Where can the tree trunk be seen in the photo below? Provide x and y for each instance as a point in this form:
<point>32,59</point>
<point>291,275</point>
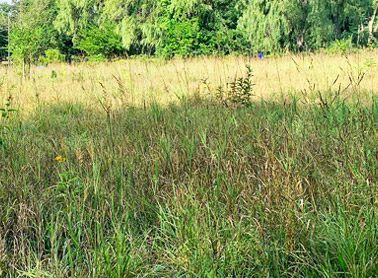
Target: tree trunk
<point>371,29</point>
<point>301,39</point>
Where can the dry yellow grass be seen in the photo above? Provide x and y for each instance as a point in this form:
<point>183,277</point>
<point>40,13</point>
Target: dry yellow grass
<point>137,81</point>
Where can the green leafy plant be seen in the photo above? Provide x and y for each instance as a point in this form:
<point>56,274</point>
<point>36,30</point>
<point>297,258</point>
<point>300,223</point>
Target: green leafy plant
<point>341,46</point>
<point>52,56</point>
<point>238,92</point>
<point>68,185</point>
<point>100,43</point>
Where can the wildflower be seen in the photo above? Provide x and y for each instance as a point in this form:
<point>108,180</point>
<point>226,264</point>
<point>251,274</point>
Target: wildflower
<point>60,159</point>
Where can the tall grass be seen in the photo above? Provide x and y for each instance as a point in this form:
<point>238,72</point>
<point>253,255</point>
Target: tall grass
<point>191,188</point>
<point>139,82</point>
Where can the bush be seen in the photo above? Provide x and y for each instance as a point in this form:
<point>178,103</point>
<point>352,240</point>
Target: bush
<point>341,46</point>
<point>238,92</point>
<point>52,56</point>
<point>96,58</point>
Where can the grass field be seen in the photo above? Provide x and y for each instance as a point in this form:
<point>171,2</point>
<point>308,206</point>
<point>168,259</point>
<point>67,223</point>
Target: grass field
<point>147,168</point>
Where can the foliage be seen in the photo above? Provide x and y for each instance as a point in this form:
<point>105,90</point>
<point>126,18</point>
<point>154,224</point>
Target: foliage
<point>301,24</point>
<point>27,45</point>
<point>195,28</point>
<point>100,42</point>
<point>32,33</point>
<point>341,46</point>
<point>5,10</point>
<point>238,92</point>
<point>52,56</point>
<point>75,16</point>
<point>167,28</point>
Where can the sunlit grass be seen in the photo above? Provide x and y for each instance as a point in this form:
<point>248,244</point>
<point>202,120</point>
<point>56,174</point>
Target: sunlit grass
<point>140,81</point>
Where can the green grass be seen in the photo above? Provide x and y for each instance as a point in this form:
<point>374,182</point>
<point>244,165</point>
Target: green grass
<point>191,190</point>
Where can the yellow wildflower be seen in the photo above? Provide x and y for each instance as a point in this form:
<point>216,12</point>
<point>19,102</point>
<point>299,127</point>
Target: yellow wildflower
<point>60,159</point>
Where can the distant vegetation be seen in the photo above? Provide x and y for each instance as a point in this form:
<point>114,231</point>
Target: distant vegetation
<point>106,29</point>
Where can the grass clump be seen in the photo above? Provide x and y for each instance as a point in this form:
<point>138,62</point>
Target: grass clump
<point>193,189</point>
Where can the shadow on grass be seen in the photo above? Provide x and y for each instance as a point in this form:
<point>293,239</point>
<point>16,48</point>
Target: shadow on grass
<point>195,189</point>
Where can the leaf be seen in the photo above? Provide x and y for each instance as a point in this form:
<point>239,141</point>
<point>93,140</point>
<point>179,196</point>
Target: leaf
<point>61,188</point>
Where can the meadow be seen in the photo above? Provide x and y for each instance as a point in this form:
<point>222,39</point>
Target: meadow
<point>191,168</point>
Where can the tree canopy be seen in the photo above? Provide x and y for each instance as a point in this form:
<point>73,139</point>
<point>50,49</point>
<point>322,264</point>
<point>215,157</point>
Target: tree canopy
<point>119,28</point>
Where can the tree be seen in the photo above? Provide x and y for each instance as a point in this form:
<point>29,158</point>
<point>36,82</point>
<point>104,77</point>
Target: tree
<point>338,19</point>
<point>101,42</point>
<point>264,26</point>
<point>368,24</point>
<point>74,16</point>
<point>194,27</point>
<point>279,25</point>
<point>187,27</point>
<point>31,33</point>
<point>6,10</point>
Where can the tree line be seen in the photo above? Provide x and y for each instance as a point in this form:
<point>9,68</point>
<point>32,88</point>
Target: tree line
<point>106,29</point>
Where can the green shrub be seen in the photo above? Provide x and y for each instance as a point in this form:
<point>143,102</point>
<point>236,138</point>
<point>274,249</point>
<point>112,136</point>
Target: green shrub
<point>96,58</point>
<point>340,46</point>
<point>52,56</point>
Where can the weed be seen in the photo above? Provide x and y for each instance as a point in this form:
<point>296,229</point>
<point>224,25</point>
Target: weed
<point>238,92</point>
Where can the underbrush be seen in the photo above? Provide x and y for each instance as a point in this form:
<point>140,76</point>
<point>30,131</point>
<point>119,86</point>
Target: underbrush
<point>191,190</point>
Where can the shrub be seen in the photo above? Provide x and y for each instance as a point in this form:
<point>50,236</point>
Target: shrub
<point>238,91</point>
<point>96,58</point>
<point>52,56</point>
<point>341,46</point>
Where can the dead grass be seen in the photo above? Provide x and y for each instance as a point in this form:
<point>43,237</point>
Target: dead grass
<point>139,81</point>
